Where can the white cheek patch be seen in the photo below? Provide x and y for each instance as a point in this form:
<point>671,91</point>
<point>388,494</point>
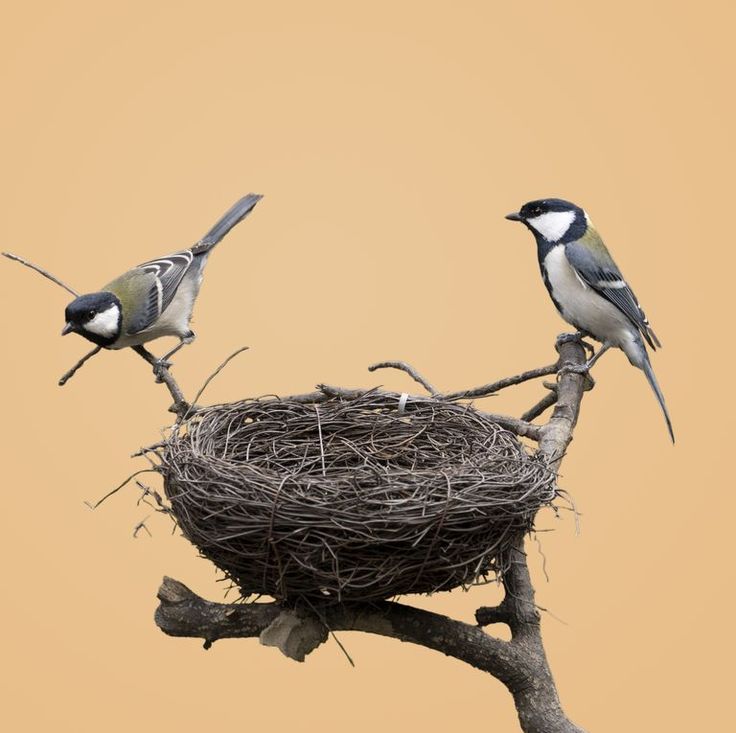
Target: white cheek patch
<point>105,323</point>
<point>553,225</point>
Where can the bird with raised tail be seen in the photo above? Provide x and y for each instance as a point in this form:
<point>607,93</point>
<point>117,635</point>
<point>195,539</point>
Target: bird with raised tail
<point>587,287</point>
<point>155,298</point>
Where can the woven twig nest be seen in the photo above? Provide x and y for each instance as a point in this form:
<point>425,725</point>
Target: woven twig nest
<point>351,499</point>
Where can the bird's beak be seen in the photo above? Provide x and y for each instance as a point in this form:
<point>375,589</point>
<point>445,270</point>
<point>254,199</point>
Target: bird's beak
<point>68,328</point>
<point>514,216</point>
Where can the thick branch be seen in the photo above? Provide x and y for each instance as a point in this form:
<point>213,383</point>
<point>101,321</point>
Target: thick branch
<point>183,613</point>
<point>537,703</point>
<point>557,433</point>
<point>520,666</point>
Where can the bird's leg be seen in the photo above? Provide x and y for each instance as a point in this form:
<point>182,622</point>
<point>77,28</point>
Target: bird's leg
<point>146,354</point>
<point>185,341</point>
<point>163,362</point>
<point>594,357</point>
<point>158,364</point>
<point>588,346</point>
<point>181,407</point>
<point>585,368</point>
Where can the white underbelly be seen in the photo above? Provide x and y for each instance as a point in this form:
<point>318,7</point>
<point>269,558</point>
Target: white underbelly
<point>582,306</point>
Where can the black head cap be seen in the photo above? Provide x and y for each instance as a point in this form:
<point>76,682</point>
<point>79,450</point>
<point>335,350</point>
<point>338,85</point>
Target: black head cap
<point>533,209</point>
<point>82,311</point>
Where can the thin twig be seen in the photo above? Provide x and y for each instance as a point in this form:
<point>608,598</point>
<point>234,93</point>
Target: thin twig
<point>544,559</point>
<point>404,367</point>
<point>68,375</point>
<point>342,648</point>
<point>181,407</point>
<point>519,427</point>
<point>148,491</point>
<point>492,387</point>
<point>544,404</point>
<point>214,374</point>
<point>117,488</point>
<point>41,271</point>
<point>141,525</point>
<point>321,444</point>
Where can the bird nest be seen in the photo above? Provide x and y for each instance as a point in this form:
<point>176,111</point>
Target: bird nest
<point>351,498</point>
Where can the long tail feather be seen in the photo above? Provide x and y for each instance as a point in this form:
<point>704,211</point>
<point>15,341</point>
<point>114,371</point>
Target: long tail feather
<point>234,215</point>
<point>647,368</point>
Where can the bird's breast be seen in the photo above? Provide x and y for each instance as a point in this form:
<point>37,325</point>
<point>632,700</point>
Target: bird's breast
<point>579,304</point>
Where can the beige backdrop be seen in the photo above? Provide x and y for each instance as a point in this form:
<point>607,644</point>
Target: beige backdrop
<point>390,139</point>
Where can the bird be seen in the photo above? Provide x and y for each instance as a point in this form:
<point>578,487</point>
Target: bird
<point>587,287</point>
<point>153,299</point>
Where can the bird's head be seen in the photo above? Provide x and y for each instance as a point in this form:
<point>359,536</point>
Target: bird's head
<point>552,220</point>
<point>96,316</point>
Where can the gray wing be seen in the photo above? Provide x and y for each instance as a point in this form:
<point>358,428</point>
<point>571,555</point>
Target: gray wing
<point>152,285</point>
<point>596,267</point>
<point>156,283</point>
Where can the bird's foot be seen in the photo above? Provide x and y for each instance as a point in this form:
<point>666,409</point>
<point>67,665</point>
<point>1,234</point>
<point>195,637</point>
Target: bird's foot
<point>566,338</point>
<point>159,367</point>
<point>573,369</point>
<point>583,369</point>
<point>579,336</point>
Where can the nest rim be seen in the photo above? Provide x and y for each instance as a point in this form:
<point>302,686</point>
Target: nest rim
<point>352,498</point>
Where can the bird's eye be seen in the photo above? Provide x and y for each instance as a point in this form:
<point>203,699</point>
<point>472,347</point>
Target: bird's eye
<point>537,210</point>
<point>91,315</point>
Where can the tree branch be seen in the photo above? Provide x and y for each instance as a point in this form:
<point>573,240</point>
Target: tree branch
<point>519,427</point>
<point>180,407</point>
<point>183,613</point>
<point>557,433</point>
<point>488,389</point>
<point>69,374</point>
<point>541,407</point>
<point>216,372</point>
<point>487,615</point>
<point>404,367</point>
<point>41,271</point>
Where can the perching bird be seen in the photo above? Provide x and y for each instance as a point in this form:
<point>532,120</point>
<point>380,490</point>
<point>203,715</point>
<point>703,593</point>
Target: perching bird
<point>586,285</point>
<point>155,298</point>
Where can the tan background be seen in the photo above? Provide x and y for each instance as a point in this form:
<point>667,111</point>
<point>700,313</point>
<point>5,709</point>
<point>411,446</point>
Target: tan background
<point>390,140</point>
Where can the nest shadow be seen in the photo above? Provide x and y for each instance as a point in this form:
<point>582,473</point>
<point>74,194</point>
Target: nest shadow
<point>351,499</point>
